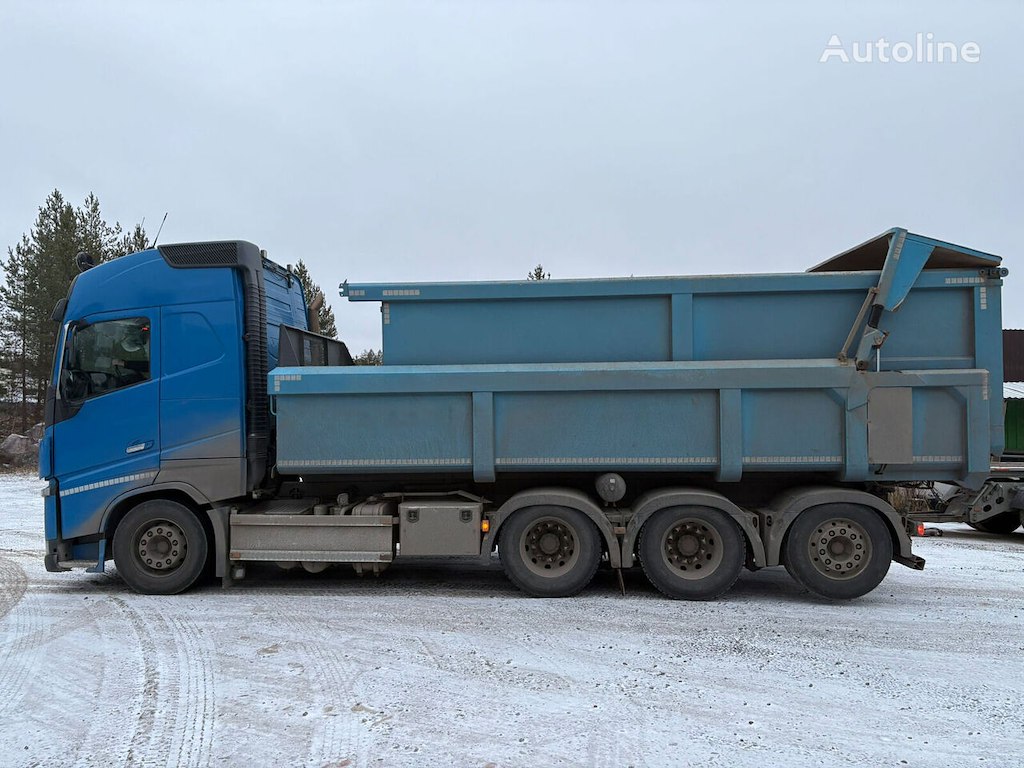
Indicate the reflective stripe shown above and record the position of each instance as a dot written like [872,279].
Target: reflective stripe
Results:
[105,483]
[625,460]
[792,459]
[373,462]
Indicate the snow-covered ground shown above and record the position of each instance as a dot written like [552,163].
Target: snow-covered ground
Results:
[439,666]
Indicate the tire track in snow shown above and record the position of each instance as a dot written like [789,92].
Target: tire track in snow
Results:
[13,584]
[341,736]
[36,554]
[150,684]
[111,689]
[173,726]
[195,666]
[526,664]
[623,744]
[19,627]
[338,735]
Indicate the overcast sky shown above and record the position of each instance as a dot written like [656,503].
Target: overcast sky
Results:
[465,141]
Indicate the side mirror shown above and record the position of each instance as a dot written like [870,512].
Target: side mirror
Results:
[84,261]
[75,386]
[58,310]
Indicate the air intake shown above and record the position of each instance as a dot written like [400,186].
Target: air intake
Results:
[184,255]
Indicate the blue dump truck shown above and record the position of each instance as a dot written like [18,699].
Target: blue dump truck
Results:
[692,426]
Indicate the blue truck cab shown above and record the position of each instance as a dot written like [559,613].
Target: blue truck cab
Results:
[164,396]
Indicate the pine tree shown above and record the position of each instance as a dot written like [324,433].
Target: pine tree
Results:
[133,242]
[369,357]
[54,242]
[96,237]
[328,326]
[37,274]
[15,294]
[538,273]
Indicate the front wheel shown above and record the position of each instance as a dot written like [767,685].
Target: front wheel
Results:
[692,553]
[838,551]
[160,548]
[549,551]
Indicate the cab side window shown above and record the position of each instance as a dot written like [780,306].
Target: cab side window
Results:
[106,356]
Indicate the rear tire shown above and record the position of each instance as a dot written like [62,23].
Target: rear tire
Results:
[692,553]
[549,551]
[838,551]
[160,548]
[1003,523]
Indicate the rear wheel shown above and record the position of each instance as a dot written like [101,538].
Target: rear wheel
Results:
[549,551]
[838,551]
[1005,522]
[692,553]
[160,548]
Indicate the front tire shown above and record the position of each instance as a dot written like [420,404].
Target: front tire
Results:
[160,548]
[549,551]
[692,553]
[838,551]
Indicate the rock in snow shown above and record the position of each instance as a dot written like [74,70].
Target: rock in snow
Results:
[16,446]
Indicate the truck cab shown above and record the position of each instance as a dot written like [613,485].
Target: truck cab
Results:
[165,396]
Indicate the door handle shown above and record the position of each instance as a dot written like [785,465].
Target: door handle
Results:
[140,446]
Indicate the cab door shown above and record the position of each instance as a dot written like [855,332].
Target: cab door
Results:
[106,437]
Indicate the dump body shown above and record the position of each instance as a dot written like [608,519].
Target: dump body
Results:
[731,317]
[728,419]
[722,375]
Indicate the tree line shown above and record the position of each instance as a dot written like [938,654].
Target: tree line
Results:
[325,315]
[37,273]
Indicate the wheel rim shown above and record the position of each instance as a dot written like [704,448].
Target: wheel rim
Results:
[692,548]
[840,549]
[161,546]
[549,547]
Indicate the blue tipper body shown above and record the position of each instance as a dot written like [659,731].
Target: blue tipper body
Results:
[883,363]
